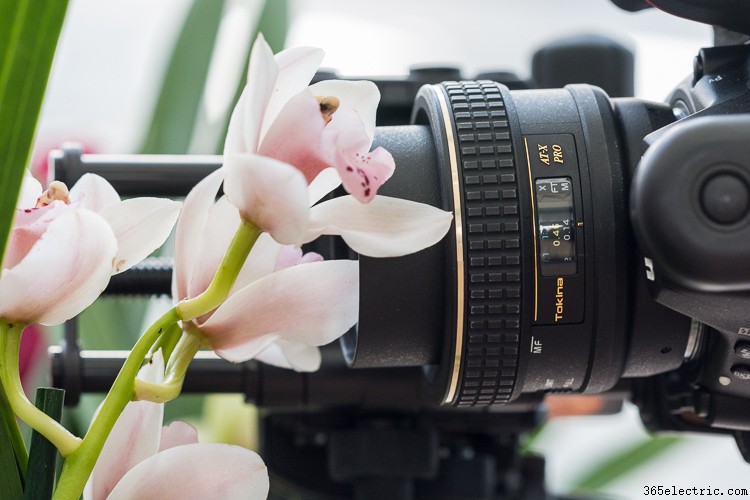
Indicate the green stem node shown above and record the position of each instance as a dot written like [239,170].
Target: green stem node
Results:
[174,376]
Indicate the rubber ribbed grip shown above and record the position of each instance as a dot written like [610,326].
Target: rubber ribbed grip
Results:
[492,242]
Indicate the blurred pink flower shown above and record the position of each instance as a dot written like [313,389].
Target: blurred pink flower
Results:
[142,459]
[64,247]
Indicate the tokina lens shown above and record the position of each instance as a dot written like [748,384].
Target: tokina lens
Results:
[530,290]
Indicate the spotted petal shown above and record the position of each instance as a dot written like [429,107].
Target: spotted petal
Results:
[65,271]
[196,471]
[312,303]
[385,227]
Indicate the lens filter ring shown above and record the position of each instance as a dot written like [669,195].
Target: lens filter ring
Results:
[484,369]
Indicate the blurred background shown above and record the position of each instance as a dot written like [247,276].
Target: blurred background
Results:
[135,76]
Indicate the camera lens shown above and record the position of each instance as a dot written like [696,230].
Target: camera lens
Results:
[530,291]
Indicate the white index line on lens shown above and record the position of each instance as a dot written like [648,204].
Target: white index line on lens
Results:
[456,185]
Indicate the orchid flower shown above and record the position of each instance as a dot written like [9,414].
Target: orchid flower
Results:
[142,459]
[280,297]
[65,245]
[285,136]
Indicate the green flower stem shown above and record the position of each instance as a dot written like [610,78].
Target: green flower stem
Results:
[10,343]
[244,239]
[167,342]
[190,343]
[78,466]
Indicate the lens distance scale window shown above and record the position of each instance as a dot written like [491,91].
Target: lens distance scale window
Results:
[556,226]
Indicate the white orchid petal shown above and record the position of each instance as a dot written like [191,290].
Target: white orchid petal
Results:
[361,96]
[326,181]
[385,227]
[221,226]
[141,225]
[197,471]
[93,192]
[65,271]
[235,139]
[177,433]
[261,79]
[297,66]
[190,226]
[312,303]
[296,356]
[261,261]
[31,189]
[270,194]
[249,349]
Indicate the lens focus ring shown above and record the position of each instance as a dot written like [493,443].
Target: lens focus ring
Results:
[491,241]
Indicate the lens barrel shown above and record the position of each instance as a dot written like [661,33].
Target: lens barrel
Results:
[530,290]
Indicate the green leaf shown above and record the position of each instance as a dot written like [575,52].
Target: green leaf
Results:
[10,481]
[40,478]
[624,463]
[29,30]
[184,81]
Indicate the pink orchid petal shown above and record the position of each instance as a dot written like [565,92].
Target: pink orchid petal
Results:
[93,192]
[28,226]
[270,194]
[296,356]
[31,189]
[297,66]
[312,303]
[292,256]
[65,271]
[221,225]
[295,137]
[261,80]
[385,227]
[362,172]
[360,96]
[261,261]
[326,181]
[141,225]
[196,471]
[189,231]
[134,438]
[177,433]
